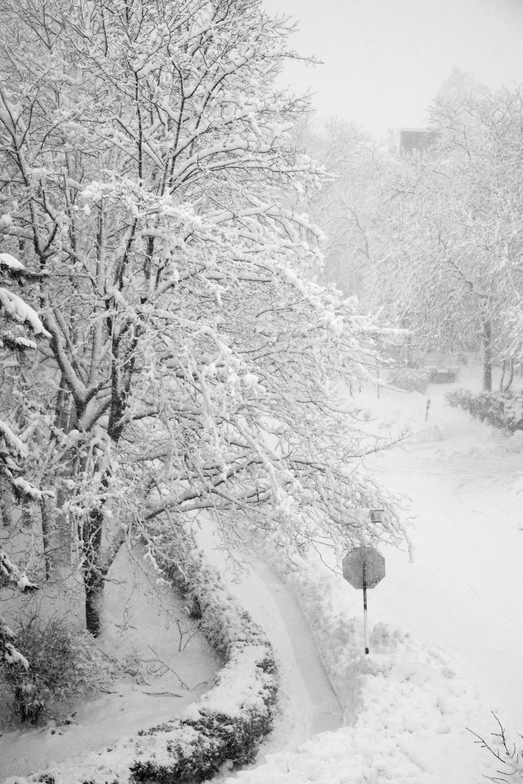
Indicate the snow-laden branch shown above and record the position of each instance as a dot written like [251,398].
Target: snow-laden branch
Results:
[15,308]
[10,573]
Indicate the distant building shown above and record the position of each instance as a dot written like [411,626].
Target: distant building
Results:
[406,141]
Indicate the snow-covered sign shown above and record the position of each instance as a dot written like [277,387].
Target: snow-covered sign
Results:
[363,567]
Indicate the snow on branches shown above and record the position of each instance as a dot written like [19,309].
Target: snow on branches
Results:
[11,574]
[158,193]
[15,307]
[13,450]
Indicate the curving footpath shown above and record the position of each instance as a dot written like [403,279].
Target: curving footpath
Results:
[308,702]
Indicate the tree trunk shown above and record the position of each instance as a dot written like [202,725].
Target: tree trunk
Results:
[94,588]
[47,527]
[92,570]
[57,532]
[487,356]
[507,375]
[95,568]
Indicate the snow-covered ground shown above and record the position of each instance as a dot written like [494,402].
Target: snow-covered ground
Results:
[447,630]
[308,703]
[163,666]
[464,589]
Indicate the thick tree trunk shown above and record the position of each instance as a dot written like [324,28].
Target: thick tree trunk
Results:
[487,356]
[94,588]
[92,570]
[95,568]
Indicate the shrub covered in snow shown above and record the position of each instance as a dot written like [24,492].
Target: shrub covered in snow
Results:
[232,719]
[226,726]
[58,664]
[409,379]
[503,410]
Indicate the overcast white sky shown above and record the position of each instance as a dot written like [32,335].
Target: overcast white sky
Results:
[385,60]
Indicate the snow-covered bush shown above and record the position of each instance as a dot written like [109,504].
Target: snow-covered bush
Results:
[230,721]
[503,410]
[409,379]
[62,665]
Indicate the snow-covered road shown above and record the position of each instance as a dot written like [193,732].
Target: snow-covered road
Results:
[447,630]
[464,589]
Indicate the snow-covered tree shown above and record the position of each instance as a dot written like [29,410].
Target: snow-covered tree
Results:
[345,203]
[19,323]
[148,168]
[448,242]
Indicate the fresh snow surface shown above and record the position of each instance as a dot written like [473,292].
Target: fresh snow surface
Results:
[308,703]
[446,629]
[142,624]
[310,696]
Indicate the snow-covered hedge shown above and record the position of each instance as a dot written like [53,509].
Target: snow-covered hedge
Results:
[224,728]
[503,410]
[409,379]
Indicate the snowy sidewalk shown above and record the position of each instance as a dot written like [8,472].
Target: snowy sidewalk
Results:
[307,701]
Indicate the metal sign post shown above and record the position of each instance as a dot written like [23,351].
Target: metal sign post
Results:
[364,567]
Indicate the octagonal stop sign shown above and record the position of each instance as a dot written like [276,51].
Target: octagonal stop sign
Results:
[363,567]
